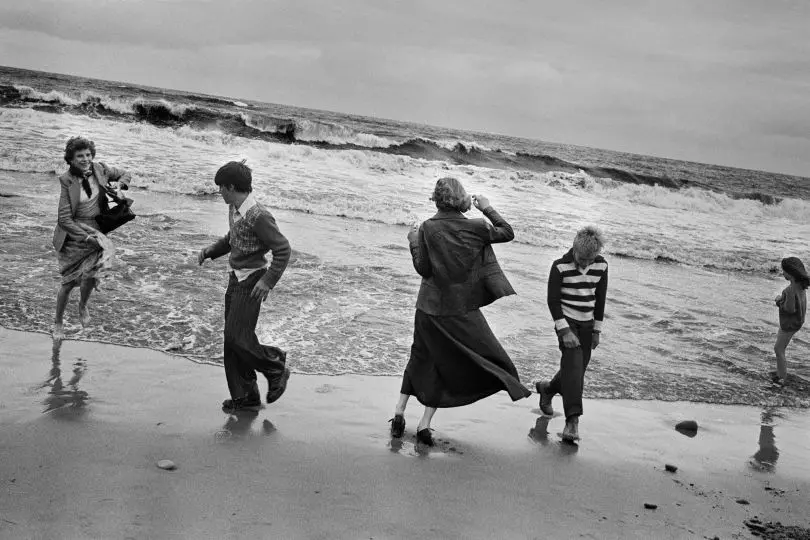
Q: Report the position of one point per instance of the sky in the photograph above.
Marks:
(725, 81)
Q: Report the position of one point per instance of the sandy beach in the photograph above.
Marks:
(84, 425)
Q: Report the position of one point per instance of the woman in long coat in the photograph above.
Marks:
(82, 250)
(455, 358)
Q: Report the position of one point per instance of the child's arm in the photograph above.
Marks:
(789, 303)
(219, 248)
(269, 233)
(555, 300)
(601, 296)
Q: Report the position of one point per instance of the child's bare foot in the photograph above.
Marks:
(58, 332)
(84, 316)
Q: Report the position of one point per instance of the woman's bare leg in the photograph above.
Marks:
(62, 298)
(86, 289)
(424, 423)
(401, 404)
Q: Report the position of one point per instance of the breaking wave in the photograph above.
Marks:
(231, 118)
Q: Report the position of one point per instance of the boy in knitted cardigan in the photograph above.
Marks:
(253, 233)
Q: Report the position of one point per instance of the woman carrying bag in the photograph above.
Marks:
(83, 251)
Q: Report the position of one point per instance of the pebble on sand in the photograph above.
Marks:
(742, 501)
(687, 427)
(670, 468)
(166, 464)
(650, 506)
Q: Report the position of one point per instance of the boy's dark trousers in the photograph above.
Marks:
(244, 355)
(570, 379)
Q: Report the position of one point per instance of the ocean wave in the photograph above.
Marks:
(230, 117)
(312, 131)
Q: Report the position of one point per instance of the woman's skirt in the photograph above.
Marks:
(79, 260)
(456, 361)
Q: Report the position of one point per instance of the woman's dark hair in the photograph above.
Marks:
(794, 267)
(76, 144)
(449, 194)
(236, 174)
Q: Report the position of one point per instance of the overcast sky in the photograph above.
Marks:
(720, 81)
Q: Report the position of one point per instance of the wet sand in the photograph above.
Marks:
(83, 426)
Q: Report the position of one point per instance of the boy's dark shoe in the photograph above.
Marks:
(545, 398)
(248, 403)
(397, 426)
(277, 386)
(570, 432)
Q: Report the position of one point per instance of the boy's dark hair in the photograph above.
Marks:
(76, 144)
(794, 267)
(236, 174)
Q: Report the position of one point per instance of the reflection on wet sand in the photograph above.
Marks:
(765, 458)
(539, 434)
(60, 394)
(239, 424)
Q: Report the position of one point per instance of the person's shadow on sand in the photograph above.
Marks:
(766, 457)
(60, 394)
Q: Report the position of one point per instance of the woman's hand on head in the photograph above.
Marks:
(413, 233)
(481, 202)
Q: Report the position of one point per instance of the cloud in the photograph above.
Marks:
(720, 81)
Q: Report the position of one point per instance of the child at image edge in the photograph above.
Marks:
(792, 308)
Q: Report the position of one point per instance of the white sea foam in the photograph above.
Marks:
(120, 105)
(693, 226)
(53, 96)
(307, 130)
(345, 303)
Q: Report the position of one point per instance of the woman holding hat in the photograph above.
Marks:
(455, 357)
(82, 250)
(792, 305)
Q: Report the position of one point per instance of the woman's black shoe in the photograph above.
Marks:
(423, 436)
(397, 426)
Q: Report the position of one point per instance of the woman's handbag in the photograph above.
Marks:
(112, 217)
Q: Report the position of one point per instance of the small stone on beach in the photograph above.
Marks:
(670, 468)
(650, 506)
(687, 427)
(742, 501)
(166, 464)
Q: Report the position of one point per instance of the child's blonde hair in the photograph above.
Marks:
(589, 241)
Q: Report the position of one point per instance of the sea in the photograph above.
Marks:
(693, 248)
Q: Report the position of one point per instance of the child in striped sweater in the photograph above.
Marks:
(577, 288)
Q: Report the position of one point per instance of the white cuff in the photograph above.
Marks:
(560, 324)
(597, 326)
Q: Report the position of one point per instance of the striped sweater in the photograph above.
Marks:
(577, 294)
